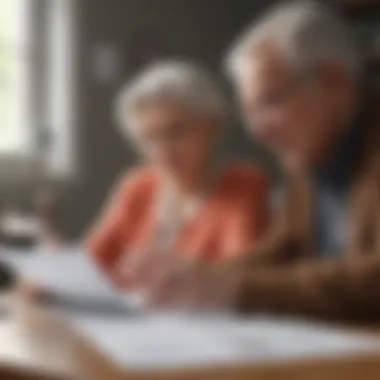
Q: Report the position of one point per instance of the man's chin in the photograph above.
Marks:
(293, 161)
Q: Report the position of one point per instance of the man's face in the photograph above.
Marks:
(290, 112)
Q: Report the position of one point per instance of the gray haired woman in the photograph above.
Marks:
(181, 199)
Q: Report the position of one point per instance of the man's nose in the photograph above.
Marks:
(265, 129)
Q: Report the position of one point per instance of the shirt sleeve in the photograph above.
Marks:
(105, 240)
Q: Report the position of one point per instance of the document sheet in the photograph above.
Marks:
(172, 341)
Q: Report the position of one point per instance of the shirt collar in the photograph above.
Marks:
(337, 170)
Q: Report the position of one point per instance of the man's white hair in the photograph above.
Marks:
(306, 32)
(182, 82)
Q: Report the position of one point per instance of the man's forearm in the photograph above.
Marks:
(348, 288)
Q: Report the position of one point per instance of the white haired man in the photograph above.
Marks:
(301, 85)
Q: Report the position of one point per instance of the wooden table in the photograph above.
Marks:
(25, 355)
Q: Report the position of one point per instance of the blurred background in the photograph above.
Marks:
(61, 65)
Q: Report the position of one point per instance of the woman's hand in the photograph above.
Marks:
(194, 285)
(138, 268)
(167, 280)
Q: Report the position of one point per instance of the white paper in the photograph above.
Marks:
(153, 342)
(181, 341)
(71, 275)
(272, 338)
(172, 340)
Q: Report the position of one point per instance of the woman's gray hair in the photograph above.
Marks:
(306, 32)
(176, 81)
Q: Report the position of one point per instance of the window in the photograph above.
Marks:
(15, 63)
(36, 88)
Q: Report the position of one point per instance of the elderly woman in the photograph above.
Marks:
(182, 199)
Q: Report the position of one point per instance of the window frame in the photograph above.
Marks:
(32, 165)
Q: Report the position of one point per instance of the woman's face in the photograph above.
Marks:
(174, 138)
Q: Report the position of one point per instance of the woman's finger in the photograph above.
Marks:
(173, 286)
(134, 267)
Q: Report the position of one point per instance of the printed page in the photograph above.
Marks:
(173, 340)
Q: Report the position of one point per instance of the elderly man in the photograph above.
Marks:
(299, 80)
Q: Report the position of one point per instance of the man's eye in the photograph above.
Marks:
(273, 98)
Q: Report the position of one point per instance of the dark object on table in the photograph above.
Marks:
(8, 277)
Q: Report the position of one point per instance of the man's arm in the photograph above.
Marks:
(283, 242)
(347, 288)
